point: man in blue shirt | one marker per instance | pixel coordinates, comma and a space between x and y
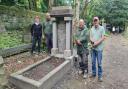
97, 36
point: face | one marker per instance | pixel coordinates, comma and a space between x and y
96, 22
81, 24
48, 17
37, 20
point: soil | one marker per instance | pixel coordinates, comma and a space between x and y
20, 61
43, 69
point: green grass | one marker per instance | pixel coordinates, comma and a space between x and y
10, 39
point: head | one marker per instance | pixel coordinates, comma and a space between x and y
96, 21
37, 19
48, 17
81, 23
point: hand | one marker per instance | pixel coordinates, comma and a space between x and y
78, 42
96, 43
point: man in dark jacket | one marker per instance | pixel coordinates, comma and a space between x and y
36, 33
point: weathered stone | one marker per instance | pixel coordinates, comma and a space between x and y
1, 60
3, 79
62, 17
15, 50
61, 36
61, 11
27, 37
2, 27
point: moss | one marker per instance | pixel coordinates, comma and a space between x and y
23, 17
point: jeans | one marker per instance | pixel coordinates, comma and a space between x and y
83, 60
49, 42
96, 55
36, 39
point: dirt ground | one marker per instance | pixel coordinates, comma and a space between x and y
115, 65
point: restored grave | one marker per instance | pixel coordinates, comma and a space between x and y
47, 72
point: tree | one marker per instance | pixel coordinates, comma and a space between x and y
113, 11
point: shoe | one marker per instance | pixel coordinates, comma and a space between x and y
85, 76
80, 71
100, 79
92, 76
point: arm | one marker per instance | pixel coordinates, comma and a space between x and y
32, 30
41, 31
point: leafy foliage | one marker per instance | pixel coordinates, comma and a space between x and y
114, 12
10, 39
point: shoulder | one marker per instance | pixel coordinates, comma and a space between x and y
92, 29
101, 27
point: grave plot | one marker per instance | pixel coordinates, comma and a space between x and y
41, 75
16, 58
17, 62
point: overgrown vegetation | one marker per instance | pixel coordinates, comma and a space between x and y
10, 39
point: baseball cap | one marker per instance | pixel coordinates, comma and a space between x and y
95, 18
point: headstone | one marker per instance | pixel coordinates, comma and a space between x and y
2, 28
62, 30
61, 37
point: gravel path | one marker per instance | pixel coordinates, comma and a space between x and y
115, 65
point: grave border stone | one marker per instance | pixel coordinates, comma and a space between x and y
15, 50
46, 82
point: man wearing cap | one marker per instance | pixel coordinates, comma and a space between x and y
47, 29
81, 40
97, 36
36, 33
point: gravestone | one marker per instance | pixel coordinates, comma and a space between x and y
62, 30
2, 27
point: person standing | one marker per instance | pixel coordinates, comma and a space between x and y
36, 33
47, 29
97, 36
81, 41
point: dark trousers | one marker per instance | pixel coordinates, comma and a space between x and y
36, 39
83, 60
49, 42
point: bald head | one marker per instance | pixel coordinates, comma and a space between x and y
48, 17
81, 23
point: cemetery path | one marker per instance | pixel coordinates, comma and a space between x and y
115, 65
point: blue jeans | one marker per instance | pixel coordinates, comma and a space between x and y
97, 55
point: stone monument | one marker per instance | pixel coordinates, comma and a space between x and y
62, 30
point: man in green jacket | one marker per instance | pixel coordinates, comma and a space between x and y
81, 41
47, 29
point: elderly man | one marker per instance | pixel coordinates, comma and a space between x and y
82, 47
36, 33
97, 36
47, 28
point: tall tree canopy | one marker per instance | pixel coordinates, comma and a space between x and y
114, 12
